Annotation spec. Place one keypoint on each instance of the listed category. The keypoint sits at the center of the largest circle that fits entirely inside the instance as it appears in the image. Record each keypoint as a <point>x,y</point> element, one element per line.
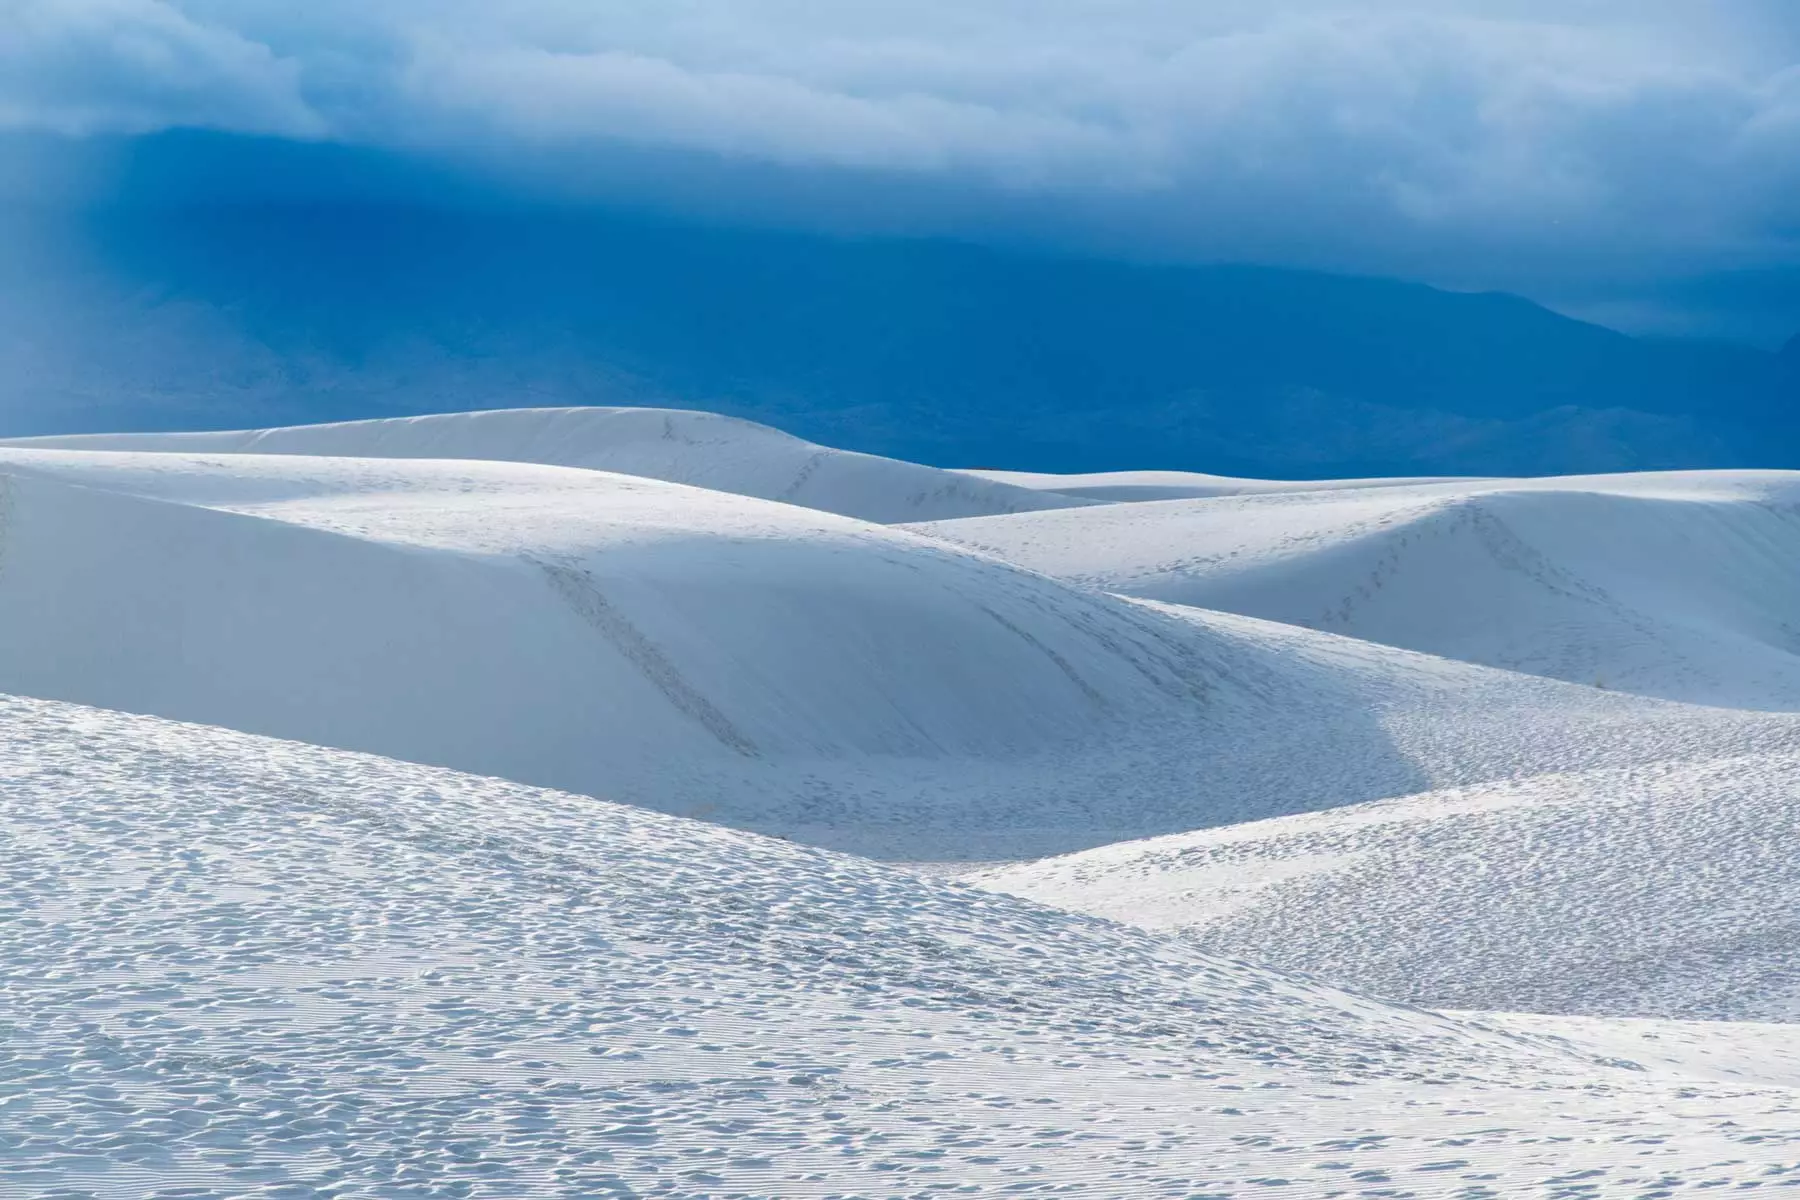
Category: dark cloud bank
<point>968,233</point>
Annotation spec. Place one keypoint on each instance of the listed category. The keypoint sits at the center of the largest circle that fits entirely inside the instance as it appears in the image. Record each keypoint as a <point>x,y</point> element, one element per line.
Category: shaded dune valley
<point>633,802</point>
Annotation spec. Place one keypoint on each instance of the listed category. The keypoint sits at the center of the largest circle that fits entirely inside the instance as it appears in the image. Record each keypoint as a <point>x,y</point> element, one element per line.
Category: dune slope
<point>238,966</point>
<point>1655,891</point>
<point>1132,486</point>
<point>754,663</point>
<point>700,448</point>
<point>1681,586</point>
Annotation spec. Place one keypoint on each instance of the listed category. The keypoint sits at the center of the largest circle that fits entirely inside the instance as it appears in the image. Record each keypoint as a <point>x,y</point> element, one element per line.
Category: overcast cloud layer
<point>1365,133</point>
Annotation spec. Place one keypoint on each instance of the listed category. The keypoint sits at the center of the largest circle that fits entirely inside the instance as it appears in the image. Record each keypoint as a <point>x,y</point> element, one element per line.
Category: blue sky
<point>1636,161</point>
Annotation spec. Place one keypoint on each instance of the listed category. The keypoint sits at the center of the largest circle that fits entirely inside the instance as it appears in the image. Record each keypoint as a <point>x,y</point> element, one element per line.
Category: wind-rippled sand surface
<point>235,966</point>
<point>1661,890</point>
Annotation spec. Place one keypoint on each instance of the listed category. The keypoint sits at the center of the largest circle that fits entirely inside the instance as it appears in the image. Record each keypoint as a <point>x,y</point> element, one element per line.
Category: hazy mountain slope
<point>756,663</point>
<point>703,449</point>
<point>1674,585</point>
<point>1132,486</point>
<point>1664,890</point>
<point>197,312</point>
<point>238,966</point>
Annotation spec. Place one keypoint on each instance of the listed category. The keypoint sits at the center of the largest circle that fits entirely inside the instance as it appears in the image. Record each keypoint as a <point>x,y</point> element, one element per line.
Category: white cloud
<point>130,66</point>
<point>1583,124</point>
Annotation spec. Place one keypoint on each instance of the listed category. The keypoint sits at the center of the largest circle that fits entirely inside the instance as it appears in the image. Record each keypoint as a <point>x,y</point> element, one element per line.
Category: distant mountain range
<point>254,314</point>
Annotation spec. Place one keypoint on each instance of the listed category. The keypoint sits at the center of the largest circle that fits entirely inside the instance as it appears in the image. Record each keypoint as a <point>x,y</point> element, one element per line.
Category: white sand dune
<point>1116,487</point>
<point>1678,585</point>
<point>236,966</point>
<point>242,967</point>
<point>750,662</point>
<point>680,446</point>
<point>1661,890</point>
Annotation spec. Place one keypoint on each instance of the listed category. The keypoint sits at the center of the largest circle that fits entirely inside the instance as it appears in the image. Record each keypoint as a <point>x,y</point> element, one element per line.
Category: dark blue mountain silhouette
<point>257,312</point>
